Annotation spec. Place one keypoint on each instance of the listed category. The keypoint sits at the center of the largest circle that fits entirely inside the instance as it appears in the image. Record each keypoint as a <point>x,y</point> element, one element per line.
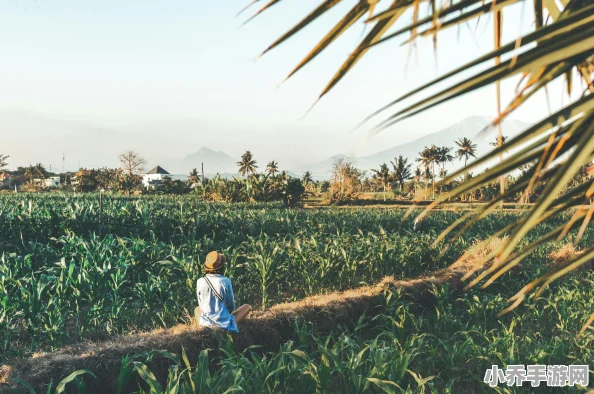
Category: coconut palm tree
<point>466,149</point>
<point>193,178</point>
<point>428,158</point>
<point>402,171</point>
<point>417,177</point>
<point>425,160</point>
<point>30,174</point>
<point>34,172</point>
<point>382,176</point>
<point>443,157</point>
<point>41,171</point>
<point>307,178</point>
<point>272,168</point>
<point>496,142</point>
<point>558,45</point>
<point>284,176</point>
<point>247,165</point>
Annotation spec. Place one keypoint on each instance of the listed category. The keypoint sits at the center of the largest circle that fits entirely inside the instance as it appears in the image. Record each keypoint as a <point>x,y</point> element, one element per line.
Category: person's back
<point>216,304</point>
<point>216,312</point>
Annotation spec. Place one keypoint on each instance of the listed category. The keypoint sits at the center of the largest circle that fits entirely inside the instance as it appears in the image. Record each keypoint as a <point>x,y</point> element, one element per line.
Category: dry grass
<point>563,255</point>
<point>269,328</point>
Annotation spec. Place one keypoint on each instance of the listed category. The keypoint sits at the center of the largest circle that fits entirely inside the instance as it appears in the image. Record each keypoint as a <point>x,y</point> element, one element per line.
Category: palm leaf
<point>261,10</point>
<point>554,149</point>
<point>345,23</point>
<point>320,10</point>
<point>378,30</point>
<point>571,23</point>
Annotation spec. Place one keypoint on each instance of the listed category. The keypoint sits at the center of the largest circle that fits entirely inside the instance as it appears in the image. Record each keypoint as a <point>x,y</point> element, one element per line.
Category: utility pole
<point>63,167</point>
<point>202,173</point>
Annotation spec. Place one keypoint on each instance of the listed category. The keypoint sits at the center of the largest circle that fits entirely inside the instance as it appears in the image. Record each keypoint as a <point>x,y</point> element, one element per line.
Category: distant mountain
<point>322,169</point>
<point>214,162</point>
<point>470,127</point>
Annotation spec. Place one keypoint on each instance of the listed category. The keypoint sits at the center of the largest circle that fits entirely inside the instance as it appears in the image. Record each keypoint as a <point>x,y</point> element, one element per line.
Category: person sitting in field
<point>216,305</point>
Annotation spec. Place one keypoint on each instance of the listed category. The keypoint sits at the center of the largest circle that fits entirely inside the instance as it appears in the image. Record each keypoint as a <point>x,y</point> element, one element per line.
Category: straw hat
<point>214,260</point>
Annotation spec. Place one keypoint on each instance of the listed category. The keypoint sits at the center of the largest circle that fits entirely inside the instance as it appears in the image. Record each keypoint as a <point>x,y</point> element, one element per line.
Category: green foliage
<point>293,191</point>
<point>60,283</point>
<point>402,348</point>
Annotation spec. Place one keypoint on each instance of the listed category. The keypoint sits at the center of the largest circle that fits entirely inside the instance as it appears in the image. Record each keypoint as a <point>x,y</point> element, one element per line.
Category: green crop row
<point>406,348</point>
<point>61,282</point>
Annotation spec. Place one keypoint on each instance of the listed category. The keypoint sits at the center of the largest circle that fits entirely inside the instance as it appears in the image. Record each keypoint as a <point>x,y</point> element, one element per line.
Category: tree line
<point>400,180</point>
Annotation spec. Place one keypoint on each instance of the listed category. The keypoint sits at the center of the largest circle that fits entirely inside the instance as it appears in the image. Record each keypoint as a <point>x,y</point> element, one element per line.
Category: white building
<point>51,182</point>
<point>156,176</point>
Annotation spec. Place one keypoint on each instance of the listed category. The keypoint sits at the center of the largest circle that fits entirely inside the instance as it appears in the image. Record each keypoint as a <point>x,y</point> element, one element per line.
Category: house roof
<point>158,170</point>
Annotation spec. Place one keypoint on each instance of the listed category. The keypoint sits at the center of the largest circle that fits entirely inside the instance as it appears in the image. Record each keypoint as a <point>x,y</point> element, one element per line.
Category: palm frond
<point>553,149</point>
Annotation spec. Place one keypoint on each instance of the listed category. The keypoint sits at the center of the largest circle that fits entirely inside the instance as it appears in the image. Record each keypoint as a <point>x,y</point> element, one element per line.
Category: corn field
<point>69,274</point>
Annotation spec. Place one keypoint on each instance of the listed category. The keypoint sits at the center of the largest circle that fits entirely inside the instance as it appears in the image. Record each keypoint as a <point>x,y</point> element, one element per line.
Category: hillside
<point>213,162</point>
<point>470,127</point>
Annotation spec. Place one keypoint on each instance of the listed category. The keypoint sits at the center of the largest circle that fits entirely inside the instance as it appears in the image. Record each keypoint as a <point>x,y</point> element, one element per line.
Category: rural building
<point>156,176</point>
<point>51,182</point>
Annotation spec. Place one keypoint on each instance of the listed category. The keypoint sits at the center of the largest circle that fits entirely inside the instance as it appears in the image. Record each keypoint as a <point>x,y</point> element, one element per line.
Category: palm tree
<point>427,176</point>
<point>284,176</point>
<point>247,165</point>
<point>443,156</point>
<point>30,174</point>
<point>466,149</point>
<point>41,171</point>
<point>272,168</point>
<point>307,178</point>
<point>428,158</point>
<point>418,176</point>
<point>425,159</point>
<point>496,145</point>
<point>496,142</point>
<point>193,178</point>
<point>402,171</point>
<point>558,45</point>
<point>383,176</point>
<point>34,172</point>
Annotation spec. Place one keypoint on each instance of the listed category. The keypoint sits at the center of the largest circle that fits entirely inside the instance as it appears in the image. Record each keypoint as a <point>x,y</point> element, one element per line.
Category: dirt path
<point>269,328</point>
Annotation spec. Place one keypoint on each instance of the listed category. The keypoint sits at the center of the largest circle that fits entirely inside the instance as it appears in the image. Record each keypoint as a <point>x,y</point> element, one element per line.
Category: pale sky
<point>184,69</point>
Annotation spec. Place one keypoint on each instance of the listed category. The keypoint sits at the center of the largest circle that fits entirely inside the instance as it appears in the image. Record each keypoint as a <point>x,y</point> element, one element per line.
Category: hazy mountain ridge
<point>30,138</point>
<point>470,127</point>
<point>213,162</point>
